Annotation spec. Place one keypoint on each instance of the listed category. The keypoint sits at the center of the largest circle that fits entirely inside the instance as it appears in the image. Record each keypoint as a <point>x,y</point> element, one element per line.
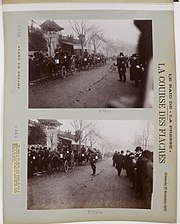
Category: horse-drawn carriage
<point>100,60</point>
<point>64,157</point>
<point>85,63</point>
<point>88,62</point>
<point>64,64</point>
<point>43,160</point>
<point>65,154</point>
<point>60,159</point>
<point>83,156</point>
<point>43,67</point>
<point>97,154</point>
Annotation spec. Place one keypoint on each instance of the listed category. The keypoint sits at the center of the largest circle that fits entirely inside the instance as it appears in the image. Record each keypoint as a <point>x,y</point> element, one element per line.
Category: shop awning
<point>75,46</point>
<point>68,43</point>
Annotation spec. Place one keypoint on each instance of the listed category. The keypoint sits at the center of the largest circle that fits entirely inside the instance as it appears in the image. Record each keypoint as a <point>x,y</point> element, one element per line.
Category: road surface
<point>80,189</point>
<point>94,88</point>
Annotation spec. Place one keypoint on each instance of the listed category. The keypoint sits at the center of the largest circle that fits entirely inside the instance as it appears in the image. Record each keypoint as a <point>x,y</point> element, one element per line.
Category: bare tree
<point>86,131</point>
<point>146,135</point>
<point>144,138</point>
<point>96,37</point>
<point>81,29</point>
<point>105,145</point>
<point>80,127</point>
<point>138,140</point>
<point>93,134</point>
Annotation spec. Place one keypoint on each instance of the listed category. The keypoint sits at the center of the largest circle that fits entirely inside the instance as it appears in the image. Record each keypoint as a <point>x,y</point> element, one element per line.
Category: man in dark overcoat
<point>127,161</point>
<point>135,70</point>
<point>114,158</point>
<point>139,168</point>
<point>120,162</point>
<point>147,178</point>
<point>121,63</point>
<point>93,160</point>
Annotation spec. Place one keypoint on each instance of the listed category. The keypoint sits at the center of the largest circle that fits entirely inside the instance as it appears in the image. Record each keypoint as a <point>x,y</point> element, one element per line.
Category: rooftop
<point>50,25</point>
<point>49,121</point>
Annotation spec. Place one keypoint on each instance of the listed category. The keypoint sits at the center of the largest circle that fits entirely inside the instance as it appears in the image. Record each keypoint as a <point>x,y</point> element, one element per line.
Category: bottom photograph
<point>89,164</point>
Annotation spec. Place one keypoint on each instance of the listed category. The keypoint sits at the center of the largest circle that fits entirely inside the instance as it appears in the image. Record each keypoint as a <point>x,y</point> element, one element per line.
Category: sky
<point>120,132</point>
<point>123,30</point>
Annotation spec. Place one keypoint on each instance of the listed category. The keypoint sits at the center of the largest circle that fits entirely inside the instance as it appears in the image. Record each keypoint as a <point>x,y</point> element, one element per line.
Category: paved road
<point>79,189</point>
<point>86,89</point>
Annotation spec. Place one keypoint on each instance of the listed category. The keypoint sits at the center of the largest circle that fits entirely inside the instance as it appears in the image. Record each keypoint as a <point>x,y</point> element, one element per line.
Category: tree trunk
<point>94,45</point>
<point>82,50</point>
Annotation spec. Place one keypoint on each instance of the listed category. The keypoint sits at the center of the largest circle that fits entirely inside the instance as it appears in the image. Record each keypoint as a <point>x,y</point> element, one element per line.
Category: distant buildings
<point>54,134</point>
<point>52,33</point>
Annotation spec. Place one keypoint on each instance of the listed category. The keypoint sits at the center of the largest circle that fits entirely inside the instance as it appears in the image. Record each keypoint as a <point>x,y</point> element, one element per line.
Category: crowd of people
<point>139,169</point>
<point>43,66</point>
<point>45,160</point>
<point>137,165</point>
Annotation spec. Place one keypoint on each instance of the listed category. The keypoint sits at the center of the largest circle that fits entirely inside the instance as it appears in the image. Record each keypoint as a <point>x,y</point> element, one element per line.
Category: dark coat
<point>127,162</point>
<point>121,63</point>
<point>135,70</point>
<point>115,157</point>
<point>119,161</point>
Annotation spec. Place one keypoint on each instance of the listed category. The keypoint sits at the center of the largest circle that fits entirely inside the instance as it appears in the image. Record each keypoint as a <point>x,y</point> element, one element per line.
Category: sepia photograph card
<point>89,113</point>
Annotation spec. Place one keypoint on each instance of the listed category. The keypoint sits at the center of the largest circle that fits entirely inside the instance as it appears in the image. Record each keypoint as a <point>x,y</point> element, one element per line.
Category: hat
<point>121,53</point>
<point>138,148</point>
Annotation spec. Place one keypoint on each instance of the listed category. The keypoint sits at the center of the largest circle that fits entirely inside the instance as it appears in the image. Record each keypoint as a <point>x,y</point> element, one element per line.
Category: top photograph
<point>90,63</point>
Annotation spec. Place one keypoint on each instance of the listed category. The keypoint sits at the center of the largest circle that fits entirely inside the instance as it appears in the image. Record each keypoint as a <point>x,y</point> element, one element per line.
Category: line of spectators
<point>139,170</point>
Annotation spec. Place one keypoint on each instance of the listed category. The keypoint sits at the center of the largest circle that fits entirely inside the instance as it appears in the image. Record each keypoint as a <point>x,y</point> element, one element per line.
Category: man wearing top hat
<point>121,63</point>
